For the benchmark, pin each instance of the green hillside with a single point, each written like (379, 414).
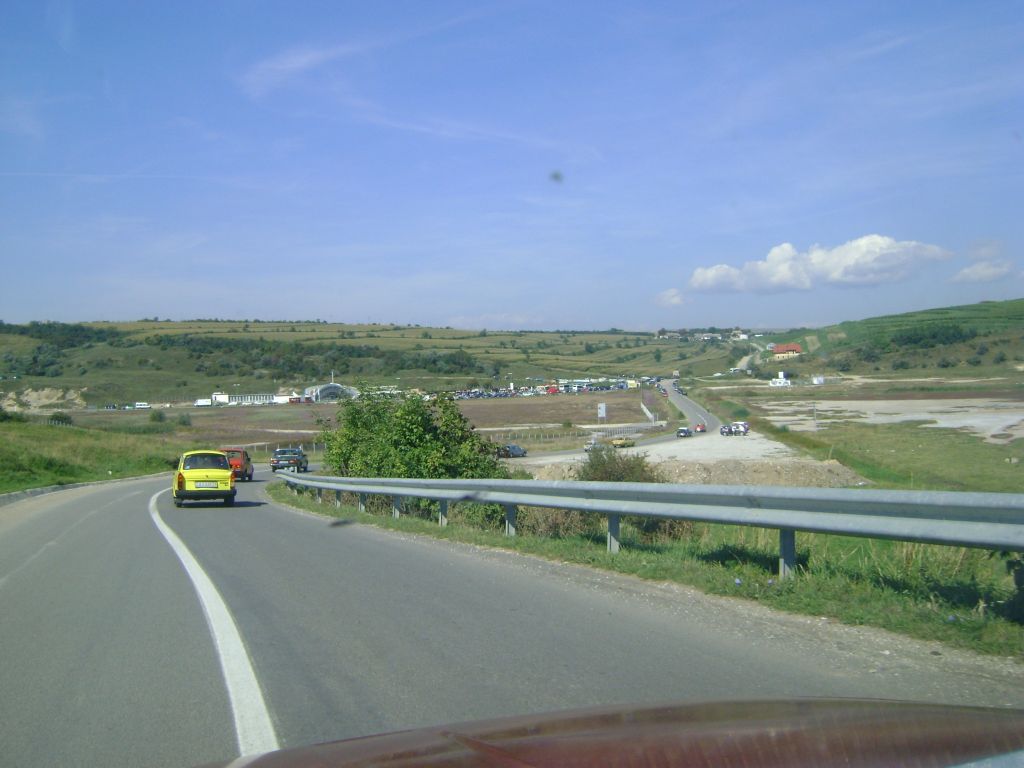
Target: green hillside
(164, 361)
(983, 339)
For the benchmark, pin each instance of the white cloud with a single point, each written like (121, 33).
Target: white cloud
(983, 272)
(276, 71)
(986, 250)
(670, 298)
(868, 260)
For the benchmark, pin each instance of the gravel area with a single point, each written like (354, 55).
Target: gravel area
(711, 459)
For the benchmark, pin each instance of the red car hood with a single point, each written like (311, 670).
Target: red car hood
(762, 733)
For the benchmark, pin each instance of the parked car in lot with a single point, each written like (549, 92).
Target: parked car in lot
(736, 428)
(511, 451)
(684, 432)
(203, 476)
(623, 442)
(294, 459)
(240, 461)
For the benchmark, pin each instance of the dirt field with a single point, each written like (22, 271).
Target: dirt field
(623, 407)
(996, 420)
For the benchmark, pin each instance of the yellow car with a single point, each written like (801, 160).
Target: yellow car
(202, 476)
(623, 442)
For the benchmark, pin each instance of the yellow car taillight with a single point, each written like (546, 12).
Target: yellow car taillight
(181, 482)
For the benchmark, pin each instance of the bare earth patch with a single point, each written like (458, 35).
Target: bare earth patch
(43, 399)
(711, 459)
(622, 406)
(995, 420)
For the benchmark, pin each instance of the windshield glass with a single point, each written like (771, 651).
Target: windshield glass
(206, 461)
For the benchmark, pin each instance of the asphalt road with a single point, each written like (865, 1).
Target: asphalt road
(695, 413)
(110, 658)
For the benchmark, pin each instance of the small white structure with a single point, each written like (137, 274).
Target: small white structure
(781, 381)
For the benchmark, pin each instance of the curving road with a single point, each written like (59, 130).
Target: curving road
(694, 412)
(116, 651)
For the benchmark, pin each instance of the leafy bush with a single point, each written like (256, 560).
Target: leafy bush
(605, 464)
(11, 416)
(381, 436)
(559, 523)
(933, 336)
(158, 417)
(869, 354)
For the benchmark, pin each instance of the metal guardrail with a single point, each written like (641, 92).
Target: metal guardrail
(984, 520)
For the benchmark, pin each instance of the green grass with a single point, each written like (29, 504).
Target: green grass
(910, 456)
(957, 596)
(38, 455)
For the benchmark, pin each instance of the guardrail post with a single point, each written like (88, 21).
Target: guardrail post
(510, 519)
(613, 534)
(787, 553)
(396, 507)
(362, 503)
(319, 495)
(442, 513)
(337, 498)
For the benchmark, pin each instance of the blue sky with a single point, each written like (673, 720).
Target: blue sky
(505, 165)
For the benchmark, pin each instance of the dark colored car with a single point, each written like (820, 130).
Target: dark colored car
(511, 452)
(684, 432)
(240, 461)
(294, 459)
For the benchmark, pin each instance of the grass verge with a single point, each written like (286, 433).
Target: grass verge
(39, 455)
(959, 597)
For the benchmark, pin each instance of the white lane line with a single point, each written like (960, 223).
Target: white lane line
(253, 728)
